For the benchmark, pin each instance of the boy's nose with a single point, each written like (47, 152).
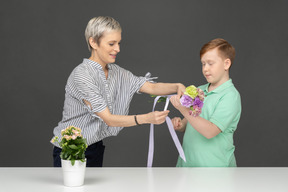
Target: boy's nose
(205, 68)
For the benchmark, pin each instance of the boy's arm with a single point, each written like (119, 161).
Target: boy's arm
(203, 126)
(162, 88)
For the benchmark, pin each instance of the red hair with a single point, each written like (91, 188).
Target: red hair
(224, 48)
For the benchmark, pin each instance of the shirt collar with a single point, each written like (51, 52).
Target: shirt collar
(95, 64)
(220, 88)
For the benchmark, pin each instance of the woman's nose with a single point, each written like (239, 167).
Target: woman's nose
(117, 48)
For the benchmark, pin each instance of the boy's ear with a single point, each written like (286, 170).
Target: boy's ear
(92, 43)
(227, 64)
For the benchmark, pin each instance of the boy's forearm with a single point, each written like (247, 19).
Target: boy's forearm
(203, 126)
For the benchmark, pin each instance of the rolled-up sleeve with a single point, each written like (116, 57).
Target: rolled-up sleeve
(138, 81)
(89, 91)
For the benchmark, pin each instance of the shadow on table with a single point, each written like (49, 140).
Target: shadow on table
(93, 180)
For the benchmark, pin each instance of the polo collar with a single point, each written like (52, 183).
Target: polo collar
(220, 88)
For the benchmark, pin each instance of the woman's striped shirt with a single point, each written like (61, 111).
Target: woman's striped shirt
(88, 82)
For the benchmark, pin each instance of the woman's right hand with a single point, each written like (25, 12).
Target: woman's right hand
(157, 117)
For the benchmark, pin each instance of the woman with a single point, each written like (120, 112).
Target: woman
(98, 93)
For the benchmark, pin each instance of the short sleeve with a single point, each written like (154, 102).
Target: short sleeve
(90, 91)
(227, 112)
(138, 82)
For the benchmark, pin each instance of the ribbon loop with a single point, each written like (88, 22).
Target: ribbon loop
(171, 130)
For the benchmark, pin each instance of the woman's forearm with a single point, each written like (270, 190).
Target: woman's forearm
(162, 88)
(156, 117)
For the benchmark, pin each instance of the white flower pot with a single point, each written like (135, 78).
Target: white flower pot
(73, 176)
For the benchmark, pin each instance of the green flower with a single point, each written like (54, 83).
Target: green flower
(191, 91)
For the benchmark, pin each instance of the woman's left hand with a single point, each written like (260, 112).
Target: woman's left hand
(180, 90)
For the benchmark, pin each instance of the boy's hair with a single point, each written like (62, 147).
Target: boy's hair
(97, 26)
(225, 49)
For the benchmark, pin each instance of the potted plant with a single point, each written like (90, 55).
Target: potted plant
(72, 156)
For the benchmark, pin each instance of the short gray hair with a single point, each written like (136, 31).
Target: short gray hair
(97, 26)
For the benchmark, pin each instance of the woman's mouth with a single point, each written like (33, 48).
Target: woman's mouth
(113, 56)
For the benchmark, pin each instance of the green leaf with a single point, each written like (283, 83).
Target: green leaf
(73, 146)
(161, 99)
(73, 162)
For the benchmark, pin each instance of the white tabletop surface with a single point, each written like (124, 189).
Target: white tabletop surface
(148, 180)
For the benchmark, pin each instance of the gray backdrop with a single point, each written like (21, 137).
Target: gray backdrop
(42, 41)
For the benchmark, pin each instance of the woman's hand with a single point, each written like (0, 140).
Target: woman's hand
(156, 117)
(180, 90)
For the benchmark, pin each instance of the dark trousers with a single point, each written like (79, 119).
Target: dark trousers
(94, 155)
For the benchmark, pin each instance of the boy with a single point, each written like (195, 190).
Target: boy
(208, 138)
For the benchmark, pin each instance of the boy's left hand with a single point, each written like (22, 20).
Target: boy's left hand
(175, 100)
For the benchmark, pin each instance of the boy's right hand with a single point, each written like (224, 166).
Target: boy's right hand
(177, 123)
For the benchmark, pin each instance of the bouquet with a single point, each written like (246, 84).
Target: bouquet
(72, 143)
(193, 98)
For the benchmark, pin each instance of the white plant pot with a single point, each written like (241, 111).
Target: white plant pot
(73, 176)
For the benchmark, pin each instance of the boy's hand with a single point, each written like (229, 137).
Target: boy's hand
(177, 123)
(175, 100)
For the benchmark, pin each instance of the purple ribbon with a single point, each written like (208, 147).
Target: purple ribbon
(172, 132)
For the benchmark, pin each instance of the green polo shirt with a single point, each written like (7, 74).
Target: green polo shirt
(222, 107)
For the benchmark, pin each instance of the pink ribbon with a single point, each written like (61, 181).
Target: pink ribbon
(172, 132)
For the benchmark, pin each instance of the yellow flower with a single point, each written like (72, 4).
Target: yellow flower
(191, 91)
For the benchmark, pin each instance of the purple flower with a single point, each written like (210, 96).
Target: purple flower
(186, 101)
(197, 102)
(195, 111)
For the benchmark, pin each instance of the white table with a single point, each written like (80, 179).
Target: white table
(148, 180)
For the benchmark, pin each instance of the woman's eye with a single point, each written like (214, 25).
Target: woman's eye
(111, 44)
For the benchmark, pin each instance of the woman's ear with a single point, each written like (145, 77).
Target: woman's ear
(227, 64)
(92, 43)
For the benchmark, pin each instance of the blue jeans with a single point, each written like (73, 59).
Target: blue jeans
(94, 155)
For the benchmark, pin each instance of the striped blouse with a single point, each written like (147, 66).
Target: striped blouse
(88, 81)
